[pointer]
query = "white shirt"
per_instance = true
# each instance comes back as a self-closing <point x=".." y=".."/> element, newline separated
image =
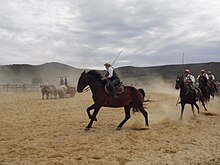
<point x="189" y="78"/>
<point x="203" y="75"/>
<point x="110" y="71"/>
<point x="211" y="77"/>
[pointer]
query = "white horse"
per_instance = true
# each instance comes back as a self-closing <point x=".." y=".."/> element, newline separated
<point x="60" y="91"/>
<point x="46" y="90"/>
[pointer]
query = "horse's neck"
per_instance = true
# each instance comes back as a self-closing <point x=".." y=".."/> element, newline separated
<point x="95" y="85"/>
<point x="183" y="88"/>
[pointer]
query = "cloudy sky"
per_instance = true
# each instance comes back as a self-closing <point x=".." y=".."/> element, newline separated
<point x="88" y="33"/>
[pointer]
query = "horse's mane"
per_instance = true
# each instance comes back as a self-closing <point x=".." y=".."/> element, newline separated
<point x="95" y="74"/>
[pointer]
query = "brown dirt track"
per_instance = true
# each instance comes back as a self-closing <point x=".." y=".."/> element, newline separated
<point x="35" y="131"/>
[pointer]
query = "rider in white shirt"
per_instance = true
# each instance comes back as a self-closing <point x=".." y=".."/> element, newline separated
<point x="190" y="81"/>
<point x="188" y="78"/>
<point x="112" y="79"/>
<point x="211" y="77"/>
<point x="202" y="73"/>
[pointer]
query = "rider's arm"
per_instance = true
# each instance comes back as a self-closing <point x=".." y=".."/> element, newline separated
<point x="192" y="78"/>
<point x="213" y="77"/>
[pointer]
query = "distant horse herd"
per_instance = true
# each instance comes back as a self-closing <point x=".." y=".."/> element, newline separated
<point x="61" y="91"/>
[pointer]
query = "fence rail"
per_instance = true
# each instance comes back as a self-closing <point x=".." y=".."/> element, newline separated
<point x="19" y="88"/>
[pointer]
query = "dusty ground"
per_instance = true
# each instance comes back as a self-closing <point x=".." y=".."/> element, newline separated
<point x="35" y="131"/>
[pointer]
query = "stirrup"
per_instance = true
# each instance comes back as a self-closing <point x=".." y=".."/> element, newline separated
<point x="116" y="97"/>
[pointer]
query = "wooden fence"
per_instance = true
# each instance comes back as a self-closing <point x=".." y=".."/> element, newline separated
<point x="19" y="88"/>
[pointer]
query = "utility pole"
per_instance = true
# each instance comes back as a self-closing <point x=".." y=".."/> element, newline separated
<point x="183" y="58"/>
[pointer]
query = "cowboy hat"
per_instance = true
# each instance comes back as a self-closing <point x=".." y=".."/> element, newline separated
<point x="107" y="65"/>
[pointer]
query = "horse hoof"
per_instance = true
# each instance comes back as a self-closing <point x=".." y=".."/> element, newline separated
<point x="118" y="128"/>
<point x="87" y="129"/>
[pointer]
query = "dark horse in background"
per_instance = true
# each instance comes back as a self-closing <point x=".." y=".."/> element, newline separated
<point x="130" y="98"/>
<point x="187" y="96"/>
<point x="206" y="91"/>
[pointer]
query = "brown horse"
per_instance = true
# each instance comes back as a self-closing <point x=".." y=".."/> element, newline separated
<point x="187" y="96"/>
<point x="130" y="98"/>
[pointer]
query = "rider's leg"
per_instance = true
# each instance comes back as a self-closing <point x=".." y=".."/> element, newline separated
<point x="112" y="87"/>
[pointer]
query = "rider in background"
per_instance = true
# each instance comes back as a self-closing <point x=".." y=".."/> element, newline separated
<point x="61" y="80"/>
<point x="203" y="74"/>
<point x="190" y="81"/>
<point x="211" y="79"/>
<point x="66" y="81"/>
<point x="112" y="79"/>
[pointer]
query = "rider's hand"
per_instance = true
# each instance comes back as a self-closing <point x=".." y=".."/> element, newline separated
<point x="105" y="78"/>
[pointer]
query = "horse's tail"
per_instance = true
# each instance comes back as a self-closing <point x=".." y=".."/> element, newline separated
<point x="134" y="109"/>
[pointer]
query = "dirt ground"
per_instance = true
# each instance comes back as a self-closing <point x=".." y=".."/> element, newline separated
<point x="40" y="132"/>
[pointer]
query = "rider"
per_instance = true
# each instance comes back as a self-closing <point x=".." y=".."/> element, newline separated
<point x="203" y="74"/>
<point x="211" y="79"/>
<point x="190" y="81"/>
<point x="61" y="80"/>
<point x="66" y="81"/>
<point x="112" y="79"/>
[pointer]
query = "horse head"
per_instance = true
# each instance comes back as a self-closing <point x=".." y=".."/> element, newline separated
<point x="179" y="82"/>
<point x="82" y="83"/>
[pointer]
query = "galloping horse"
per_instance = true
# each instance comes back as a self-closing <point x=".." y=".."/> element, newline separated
<point x="203" y="85"/>
<point x="187" y="96"/>
<point x="130" y="98"/>
<point x="213" y="88"/>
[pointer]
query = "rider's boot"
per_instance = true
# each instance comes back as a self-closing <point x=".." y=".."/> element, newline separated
<point x="114" y="93"/>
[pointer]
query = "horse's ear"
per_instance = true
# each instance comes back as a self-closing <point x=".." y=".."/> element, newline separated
<point x="83" y="72"/>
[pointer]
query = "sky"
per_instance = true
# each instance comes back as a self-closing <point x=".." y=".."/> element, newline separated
<point x="89" y="33"/>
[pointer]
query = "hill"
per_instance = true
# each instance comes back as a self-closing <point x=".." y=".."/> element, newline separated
<point x="45" y="73"/>
<point x="50" y="72"/>
<point x="166" y="73"/>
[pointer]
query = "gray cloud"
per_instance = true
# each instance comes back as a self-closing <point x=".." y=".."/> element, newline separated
<point x="88" y="33"/>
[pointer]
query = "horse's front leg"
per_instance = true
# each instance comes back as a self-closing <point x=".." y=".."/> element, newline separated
<point x="89" y="109"/>
<point x="182" y="109"/>
<point x="93" y="118"/>
<point x="192" y="107"/>
<point x="47" y="94"/>
<point x="197" y="106"/>
<point x="42" y="95"/>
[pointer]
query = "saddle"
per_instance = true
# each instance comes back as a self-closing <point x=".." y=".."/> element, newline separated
<point x="119" y="88"/>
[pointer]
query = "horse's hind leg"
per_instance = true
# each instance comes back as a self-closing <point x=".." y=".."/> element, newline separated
<point x="145" y="114"/>
<point x="89" y="109"/>
<point x="127" y="116"/>
<point x="192" y="107"/>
